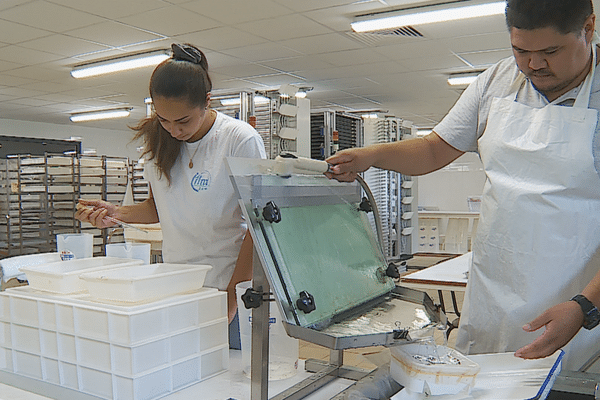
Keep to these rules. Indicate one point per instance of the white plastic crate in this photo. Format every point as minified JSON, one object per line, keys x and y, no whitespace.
{"x":141,"y":352}
{"x":143,"y":283}
{"x":63,"y":276}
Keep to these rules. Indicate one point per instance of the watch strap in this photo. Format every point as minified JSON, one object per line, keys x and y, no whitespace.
{"x":591,"y":314}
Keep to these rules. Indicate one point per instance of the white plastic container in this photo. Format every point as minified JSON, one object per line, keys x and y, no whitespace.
{"x":435,"y":379}
{"x":63,"y":276}
{"x":75,"y":245}
{"x":145,"y":282}
{"x":141,"y":352}
{"x":139,"y":251}
{"x":11,"y":266}
{"x":283,"y":349}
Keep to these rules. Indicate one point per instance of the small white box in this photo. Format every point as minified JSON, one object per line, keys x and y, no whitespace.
{"x":410,"y":368}
{"x":144,"y":283}
{"x":63,"y":276}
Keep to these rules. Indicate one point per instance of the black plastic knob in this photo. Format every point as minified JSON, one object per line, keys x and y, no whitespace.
{"x":271,"y":212}
{"x":306,"y":302}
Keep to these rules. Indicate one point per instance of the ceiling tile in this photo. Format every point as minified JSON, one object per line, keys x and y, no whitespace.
{"x":21,"y":55}
{"x":112,"y":33}
{"x":285,"y":27}
{"x":353,"y":57}
{"x":307,"y":5}
{"x":170,"y":21}
{"x":296,"y":64}
{"x":112,"y":9}
{"x":62,"y":44}
{"x":244,"y":70}
{"x":48,"y":16}
{"x":244,"y":10}
{"x":220,"y":39}
{"x":320,"y":44}
{"x":13,"y":33}
{"x":485,"y":59}
{"x":261,"y":52}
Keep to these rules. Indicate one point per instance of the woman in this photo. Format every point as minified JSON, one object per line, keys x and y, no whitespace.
{"x":191,"y":195}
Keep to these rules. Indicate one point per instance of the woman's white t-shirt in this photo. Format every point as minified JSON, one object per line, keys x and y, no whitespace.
{"x":199,"y":214}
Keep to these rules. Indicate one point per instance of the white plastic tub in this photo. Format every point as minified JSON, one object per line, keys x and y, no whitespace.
{"x":63,"y":276}
{"x":145,"y":282}
{"x":434,"y":379}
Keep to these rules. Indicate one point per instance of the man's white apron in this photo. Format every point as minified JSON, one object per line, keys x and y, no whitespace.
{"x":540,"y":224}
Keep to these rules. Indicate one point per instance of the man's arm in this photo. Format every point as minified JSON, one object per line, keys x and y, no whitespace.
{"x":562,"y":323}
{"x":416,"y":156}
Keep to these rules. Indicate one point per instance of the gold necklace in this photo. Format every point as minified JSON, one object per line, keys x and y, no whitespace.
{"x":191,"y":163}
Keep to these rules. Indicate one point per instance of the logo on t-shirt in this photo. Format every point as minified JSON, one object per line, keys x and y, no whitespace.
{"x":201,"y":181}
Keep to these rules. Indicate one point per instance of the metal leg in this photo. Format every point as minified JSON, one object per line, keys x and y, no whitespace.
{"x":455,"y":303}
{"x":259,"y":363}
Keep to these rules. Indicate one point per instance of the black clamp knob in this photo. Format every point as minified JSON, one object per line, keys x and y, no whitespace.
{"x":271,"y":212}
{"x":306,"y":302}
{"x":365,"y":205}
{"x":400,"y":334}
{"x":253,"y":298}
{"x":392,"y":271}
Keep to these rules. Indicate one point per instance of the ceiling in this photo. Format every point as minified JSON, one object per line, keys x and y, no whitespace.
{"x":254,"y":44}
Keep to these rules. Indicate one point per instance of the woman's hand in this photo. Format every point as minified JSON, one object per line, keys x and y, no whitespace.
{"x":562,"y":323}
{"x":95,"y":211}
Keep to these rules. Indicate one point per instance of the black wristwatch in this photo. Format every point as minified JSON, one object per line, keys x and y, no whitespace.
{"x":591,"y":314}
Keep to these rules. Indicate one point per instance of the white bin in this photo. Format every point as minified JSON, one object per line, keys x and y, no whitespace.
{"x":63,"y":276}
{"x":145,"y":282}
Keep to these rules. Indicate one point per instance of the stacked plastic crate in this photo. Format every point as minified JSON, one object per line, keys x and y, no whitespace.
{"x":139,"y":352}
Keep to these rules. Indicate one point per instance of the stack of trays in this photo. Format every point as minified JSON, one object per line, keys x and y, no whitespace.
{"x":113,"y":328}
{"x":138,"y":352}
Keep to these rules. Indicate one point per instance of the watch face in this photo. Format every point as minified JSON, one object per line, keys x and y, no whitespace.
{"x":592,"y":319}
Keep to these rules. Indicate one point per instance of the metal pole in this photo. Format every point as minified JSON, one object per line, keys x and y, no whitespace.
{"x":259,"y":363}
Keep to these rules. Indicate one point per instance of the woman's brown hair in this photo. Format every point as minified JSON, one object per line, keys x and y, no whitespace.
{"x":183,"y":76}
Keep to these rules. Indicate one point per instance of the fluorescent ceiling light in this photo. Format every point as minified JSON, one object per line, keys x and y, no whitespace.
{"x":119,"y":64}
{"x":426,"y":15}
{"x":462,"y":79}
{"x":235,"y":101}
{"x":99,"y":115}
{"x":369,"y":116}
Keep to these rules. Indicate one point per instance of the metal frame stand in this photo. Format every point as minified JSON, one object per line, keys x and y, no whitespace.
{"x":324,"y":372}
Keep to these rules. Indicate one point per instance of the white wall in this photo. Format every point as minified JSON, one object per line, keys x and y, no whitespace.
{"x":108,"y":142}
{"x":448,"y":188}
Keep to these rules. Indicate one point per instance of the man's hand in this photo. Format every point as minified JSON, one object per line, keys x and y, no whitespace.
{"x":562,"y":323}
{"x":348,"y":163}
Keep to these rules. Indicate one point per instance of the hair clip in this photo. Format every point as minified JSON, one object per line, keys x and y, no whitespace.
{"x":186,"y":53}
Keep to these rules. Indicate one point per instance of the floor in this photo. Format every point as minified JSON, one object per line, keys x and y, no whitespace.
{"x":372,"y":357}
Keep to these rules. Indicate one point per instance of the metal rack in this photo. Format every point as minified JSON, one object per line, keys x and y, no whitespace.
{"x":37,"y":200}
{"x":331,"y":131}
{"x":395,"y":194}
{"x":103,"y":177}
{"x":139,"y":186}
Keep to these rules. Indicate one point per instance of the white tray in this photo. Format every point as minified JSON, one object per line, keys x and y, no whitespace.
{"x":144,"y":283}
{"x":63,"y":276}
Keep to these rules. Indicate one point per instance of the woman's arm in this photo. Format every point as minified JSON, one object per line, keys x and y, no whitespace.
{"x":94,"y":211}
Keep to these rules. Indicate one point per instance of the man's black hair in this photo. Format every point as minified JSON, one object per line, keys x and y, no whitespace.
{"x":566,"y":16}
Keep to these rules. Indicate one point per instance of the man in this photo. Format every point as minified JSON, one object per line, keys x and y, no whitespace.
{"x":533,"y":122}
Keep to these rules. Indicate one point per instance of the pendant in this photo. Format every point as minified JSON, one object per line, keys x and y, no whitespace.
{"x":191,"y":164}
